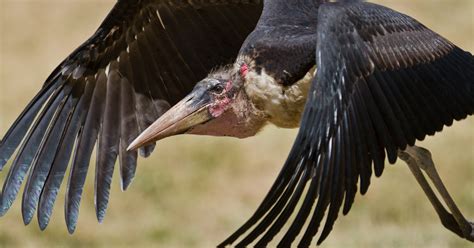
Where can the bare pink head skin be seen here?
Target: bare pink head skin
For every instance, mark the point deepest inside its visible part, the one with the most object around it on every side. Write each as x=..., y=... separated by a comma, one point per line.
x=217, y=106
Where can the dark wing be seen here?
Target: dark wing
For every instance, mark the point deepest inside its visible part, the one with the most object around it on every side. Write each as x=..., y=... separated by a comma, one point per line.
x=145, y=57
x=384, y=81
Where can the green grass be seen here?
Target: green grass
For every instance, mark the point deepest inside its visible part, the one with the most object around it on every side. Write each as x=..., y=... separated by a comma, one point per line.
x=194, y=191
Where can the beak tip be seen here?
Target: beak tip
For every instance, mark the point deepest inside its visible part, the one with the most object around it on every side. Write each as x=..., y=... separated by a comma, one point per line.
x=176, y=120
x=133, y=146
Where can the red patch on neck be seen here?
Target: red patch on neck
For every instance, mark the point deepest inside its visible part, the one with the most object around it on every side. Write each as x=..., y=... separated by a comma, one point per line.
x=244, y=69
x=219, y=107
x=228, y=85
x=222, y=102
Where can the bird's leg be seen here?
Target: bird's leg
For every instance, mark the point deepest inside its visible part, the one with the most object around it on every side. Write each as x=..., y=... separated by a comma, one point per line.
x=416, y=158
x=446, y=218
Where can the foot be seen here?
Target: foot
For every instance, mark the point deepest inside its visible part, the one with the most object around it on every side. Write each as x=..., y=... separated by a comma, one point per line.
x=451, y=224
x=471, y=236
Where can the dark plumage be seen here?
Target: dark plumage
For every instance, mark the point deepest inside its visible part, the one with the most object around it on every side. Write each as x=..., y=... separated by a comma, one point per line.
x=109, y=90
x=383, y=81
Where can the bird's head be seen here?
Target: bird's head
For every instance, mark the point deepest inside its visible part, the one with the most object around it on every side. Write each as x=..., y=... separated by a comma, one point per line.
x=216, y=106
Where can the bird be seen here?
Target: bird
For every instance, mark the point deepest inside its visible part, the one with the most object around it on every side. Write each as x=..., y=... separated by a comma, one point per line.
x=362, y=82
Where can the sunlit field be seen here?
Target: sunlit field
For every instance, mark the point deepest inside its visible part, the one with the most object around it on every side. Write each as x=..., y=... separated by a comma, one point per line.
x=194, y=191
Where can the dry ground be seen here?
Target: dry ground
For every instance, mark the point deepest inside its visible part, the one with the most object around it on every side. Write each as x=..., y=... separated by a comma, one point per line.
x=194, y=191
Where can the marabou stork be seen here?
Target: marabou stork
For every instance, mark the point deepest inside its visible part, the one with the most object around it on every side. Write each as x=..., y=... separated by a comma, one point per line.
x=362, y=81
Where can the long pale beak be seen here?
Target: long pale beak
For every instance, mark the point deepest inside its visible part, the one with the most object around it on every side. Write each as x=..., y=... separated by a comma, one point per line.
x=189, y=112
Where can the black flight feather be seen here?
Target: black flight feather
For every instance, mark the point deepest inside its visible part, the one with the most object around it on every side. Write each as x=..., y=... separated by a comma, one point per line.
x=138, y=63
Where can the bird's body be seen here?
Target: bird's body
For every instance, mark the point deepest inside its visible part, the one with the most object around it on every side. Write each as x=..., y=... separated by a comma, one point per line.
x=362, y=81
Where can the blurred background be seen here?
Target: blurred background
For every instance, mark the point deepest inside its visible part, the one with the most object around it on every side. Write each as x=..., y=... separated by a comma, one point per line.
x=194, y=191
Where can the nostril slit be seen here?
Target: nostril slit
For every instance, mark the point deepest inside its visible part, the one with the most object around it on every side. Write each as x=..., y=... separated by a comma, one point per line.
x=191, y=98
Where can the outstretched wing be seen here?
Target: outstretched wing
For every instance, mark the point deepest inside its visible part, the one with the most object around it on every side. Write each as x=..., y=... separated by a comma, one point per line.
x=144, y=58
x=384, y=81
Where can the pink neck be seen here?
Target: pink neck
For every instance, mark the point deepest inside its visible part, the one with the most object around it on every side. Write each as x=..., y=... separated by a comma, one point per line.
x=241, y=120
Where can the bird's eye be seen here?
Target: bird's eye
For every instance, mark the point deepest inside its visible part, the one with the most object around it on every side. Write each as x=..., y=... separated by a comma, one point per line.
x=217, y=89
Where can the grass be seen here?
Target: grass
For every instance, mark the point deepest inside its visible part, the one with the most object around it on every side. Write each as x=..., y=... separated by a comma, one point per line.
x=194, y=191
